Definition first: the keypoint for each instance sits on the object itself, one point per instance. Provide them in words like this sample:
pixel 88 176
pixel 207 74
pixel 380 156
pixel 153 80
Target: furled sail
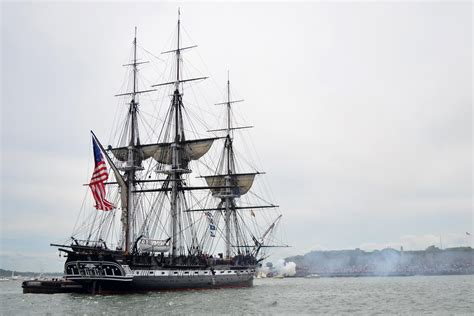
pixel 241 183
pixel 192 150
pixel 161 152
pixel 121 153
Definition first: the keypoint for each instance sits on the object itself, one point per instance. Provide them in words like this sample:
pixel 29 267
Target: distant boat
pixel 14 277
pixel 313 276
pixel 4 279
pixel 40 276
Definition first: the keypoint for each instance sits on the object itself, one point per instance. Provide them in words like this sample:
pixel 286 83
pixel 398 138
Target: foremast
pixel 132 166
pixel 131 156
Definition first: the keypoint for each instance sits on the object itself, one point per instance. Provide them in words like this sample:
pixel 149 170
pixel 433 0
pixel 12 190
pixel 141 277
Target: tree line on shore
pixel 389 261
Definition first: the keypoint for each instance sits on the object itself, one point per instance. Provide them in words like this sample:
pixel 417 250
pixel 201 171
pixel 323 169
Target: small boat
pixel 14 277
pixel 313 276
pixel 51 286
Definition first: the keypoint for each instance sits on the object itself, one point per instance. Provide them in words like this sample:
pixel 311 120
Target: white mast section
pixel 175 154
pixel 131 166
pixel 228 146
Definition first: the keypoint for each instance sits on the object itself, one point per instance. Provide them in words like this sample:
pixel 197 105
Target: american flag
pixel 99 176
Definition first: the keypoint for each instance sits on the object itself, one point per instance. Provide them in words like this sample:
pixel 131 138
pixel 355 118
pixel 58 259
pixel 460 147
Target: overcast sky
pixel 363 113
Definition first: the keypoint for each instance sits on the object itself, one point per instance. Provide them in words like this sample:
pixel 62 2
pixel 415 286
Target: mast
pixel 179 162
pixel 175 153
pixel 131 167
pixel 230 178
pixel 228 148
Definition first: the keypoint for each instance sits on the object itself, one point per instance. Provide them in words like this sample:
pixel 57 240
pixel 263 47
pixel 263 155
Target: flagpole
pixel 117 174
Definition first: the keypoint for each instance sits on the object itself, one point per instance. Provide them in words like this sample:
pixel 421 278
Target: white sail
pixel 121 153
pixel 161 152
pixel 242 182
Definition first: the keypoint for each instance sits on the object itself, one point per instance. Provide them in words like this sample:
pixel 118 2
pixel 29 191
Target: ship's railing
pixel 153 245
pixel 90 243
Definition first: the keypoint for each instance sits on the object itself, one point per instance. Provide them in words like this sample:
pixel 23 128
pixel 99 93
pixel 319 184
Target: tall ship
pixel 175 211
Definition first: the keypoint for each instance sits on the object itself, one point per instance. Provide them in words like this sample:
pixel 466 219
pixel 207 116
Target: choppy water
pixel 389 295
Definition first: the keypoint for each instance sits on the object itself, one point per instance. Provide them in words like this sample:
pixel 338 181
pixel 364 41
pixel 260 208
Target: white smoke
pixel 285 268
pixel 263 271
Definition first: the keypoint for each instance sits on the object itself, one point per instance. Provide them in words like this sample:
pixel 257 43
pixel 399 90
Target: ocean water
pixel 443 295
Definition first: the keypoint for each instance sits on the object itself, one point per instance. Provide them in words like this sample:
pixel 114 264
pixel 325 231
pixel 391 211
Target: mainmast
pixel 180 156
pixel 175 167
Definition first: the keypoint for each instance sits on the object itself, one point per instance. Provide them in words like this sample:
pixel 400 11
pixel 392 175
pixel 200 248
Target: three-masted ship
pixel 167 238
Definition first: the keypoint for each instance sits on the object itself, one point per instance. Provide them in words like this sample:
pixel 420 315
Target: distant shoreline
pixel 385 262
pixel 8 273
pixel 362 275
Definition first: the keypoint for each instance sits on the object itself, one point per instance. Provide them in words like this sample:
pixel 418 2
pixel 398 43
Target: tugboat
pixel 149 231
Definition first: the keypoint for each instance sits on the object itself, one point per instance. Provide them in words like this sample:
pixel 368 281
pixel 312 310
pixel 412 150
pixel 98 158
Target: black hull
pixel 111 277
pixel 147 284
